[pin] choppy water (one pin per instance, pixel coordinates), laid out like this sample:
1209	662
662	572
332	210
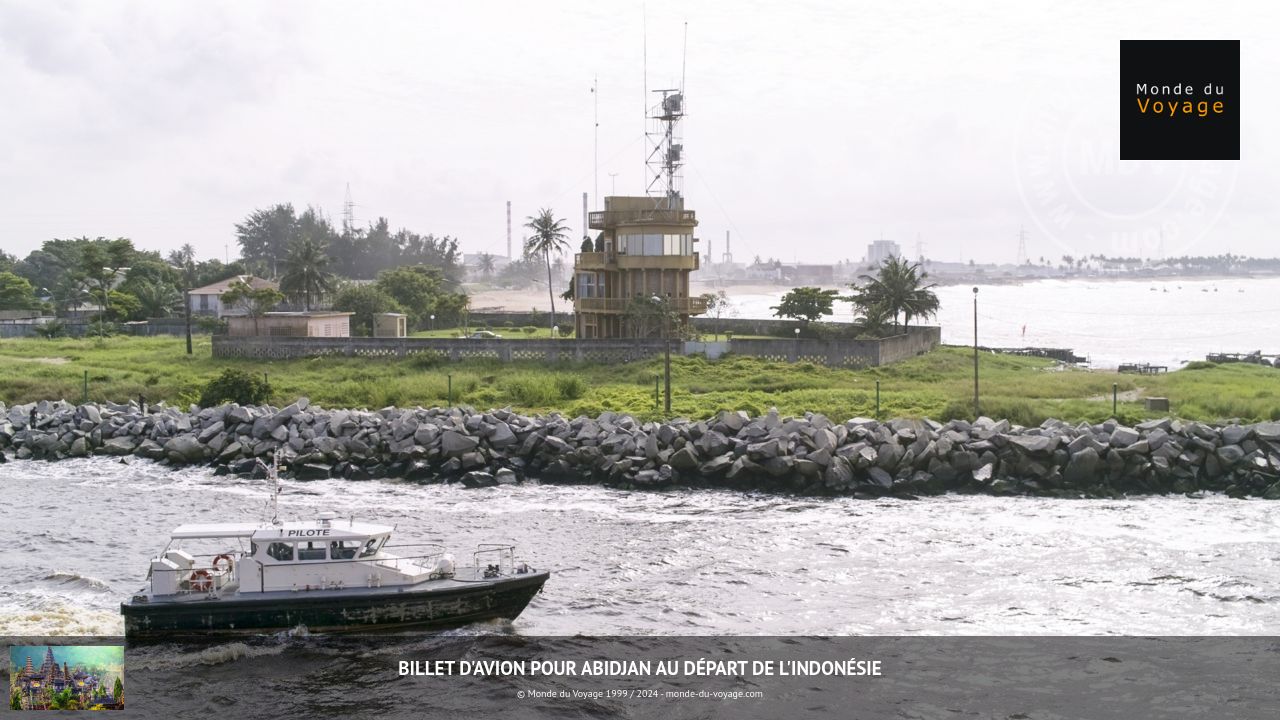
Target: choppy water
79	533
1163	322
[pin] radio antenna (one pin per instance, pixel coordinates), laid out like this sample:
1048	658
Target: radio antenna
684	55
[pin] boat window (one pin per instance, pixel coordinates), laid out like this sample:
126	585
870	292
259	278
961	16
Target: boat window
280	551
371	547
311	552
343	549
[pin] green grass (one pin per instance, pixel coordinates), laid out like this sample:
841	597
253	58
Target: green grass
937	385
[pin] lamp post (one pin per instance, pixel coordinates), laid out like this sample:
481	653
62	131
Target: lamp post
976	412
433	323
666	354
796	347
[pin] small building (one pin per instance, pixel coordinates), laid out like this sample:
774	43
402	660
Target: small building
292	324
394	325
207	300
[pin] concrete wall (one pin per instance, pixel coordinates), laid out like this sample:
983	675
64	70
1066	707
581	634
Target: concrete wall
280	348
836	353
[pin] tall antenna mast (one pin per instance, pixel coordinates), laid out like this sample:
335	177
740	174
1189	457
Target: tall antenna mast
595	96
666	146
1022	245
684	55
348	213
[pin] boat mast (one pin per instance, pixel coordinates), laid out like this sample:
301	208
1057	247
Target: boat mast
274	474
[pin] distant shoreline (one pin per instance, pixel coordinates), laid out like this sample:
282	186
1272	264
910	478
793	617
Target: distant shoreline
498	300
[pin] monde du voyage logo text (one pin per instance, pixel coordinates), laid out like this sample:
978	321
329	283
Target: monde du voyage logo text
1179	99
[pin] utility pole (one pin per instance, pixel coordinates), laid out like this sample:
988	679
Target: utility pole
509	257
976	412
664	304
187	308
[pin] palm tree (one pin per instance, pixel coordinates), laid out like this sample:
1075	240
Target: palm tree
306	272
486	264
186	255
896	289
549	235
158	300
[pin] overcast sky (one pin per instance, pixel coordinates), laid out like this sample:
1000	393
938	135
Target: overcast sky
813	127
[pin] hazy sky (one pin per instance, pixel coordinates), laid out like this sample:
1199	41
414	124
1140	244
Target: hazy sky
813	127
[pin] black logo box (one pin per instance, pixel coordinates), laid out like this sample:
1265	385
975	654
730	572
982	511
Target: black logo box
1191	65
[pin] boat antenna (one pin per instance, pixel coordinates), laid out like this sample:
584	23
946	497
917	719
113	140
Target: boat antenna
273	473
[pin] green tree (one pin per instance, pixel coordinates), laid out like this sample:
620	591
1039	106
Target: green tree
122	306
183	256
156	300
15	700
306	274
549	236
117	692
16	293
265	235
63	700
365	301
486	264
7	261
806	304
718	306
255	302
420	290
101	263
897	289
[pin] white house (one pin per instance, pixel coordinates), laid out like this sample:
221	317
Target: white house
207	300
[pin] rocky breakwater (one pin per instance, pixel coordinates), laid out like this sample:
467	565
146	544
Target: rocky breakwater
809	454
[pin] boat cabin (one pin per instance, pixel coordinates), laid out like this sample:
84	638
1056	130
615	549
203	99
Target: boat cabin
320	554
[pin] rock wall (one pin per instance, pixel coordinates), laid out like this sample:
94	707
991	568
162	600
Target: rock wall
811	454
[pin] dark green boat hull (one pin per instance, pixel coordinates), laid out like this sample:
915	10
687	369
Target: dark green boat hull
348	610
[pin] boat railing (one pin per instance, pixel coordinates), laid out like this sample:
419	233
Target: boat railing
402	563
498	552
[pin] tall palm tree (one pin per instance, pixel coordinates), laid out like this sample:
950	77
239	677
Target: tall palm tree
486	264
549	235
306	273
895	290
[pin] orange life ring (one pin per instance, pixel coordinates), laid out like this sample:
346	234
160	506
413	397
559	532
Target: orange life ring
220	558
201	581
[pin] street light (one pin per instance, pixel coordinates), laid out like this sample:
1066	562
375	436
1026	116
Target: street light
666	353
433	323
796	350
976	413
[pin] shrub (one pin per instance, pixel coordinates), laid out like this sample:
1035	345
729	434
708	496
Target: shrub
101	328
211	325
236	386
528	330
1200	365
570	387
50	330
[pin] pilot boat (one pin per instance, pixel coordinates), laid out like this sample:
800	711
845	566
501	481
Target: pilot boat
327	574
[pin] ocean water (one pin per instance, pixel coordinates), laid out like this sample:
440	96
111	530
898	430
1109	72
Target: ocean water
692	562
1162	322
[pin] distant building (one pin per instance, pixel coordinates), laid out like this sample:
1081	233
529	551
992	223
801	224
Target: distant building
646	252
880	250
207	300
809	274
769	270
292	324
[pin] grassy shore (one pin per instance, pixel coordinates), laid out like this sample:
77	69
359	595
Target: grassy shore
937	385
